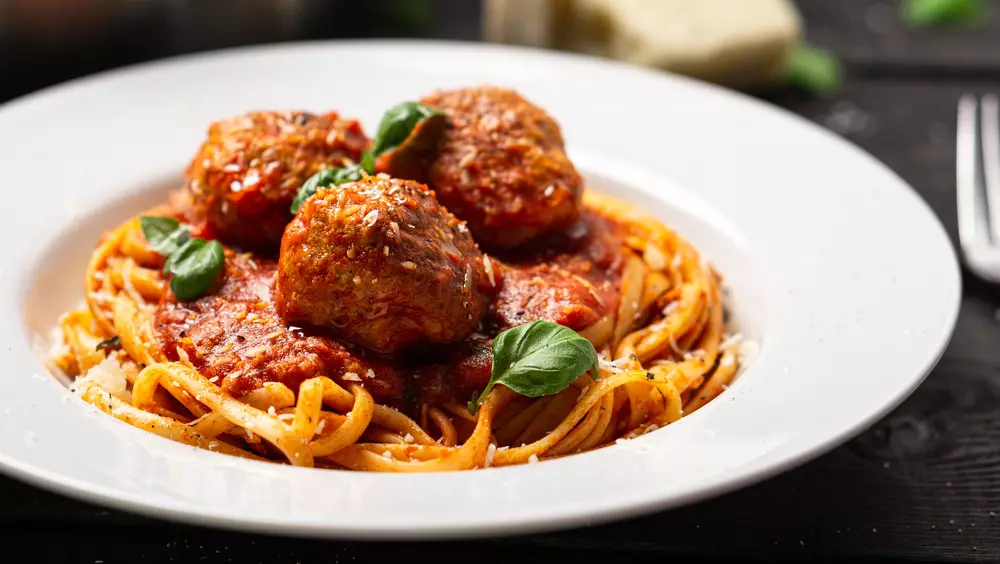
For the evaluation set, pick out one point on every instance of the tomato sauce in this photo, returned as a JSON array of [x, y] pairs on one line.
[[235, 336]]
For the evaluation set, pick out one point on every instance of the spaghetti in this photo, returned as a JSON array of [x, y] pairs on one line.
[[663, 357]]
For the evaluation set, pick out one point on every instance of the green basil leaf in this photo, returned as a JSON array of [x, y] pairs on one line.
[[368, 161], [924, 13], [112, 343], [397, 124], [412, 158], [813, 69], [537, 359], [324, 179], [194, 267], [165, 234]]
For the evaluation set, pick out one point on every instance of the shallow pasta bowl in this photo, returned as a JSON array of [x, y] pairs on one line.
[[792, 216]]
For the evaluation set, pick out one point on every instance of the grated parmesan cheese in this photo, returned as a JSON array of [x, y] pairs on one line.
[[732, 340], [491, 451], [747, 351], [319, 428], [271, 411], [670, 308], [408, 439], [183, 356], [255, 351], [654, 257], [107, 375], [370, 373], [351, 377], [197, 420], [467, 158], [533, 459], [489, 270], [612, 366]]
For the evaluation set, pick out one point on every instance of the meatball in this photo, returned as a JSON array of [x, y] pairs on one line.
[[246, 174], [502, 168], [382, 264]]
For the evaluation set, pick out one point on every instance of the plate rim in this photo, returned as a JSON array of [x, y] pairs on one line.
[[129, 502]]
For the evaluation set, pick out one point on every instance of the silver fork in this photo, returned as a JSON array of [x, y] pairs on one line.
[[978, 184]]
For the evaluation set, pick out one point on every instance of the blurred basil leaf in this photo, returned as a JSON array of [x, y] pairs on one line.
[[813, 69], [926, 13]]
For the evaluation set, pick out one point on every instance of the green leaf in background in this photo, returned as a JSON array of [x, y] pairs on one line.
[[537, 359], [194, 267], [924, 13], [324, 179], [813, 69]]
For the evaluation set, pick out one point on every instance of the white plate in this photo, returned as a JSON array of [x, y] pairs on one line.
[[836, 268]]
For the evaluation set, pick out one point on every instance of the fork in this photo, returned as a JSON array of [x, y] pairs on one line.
[[977, 152]]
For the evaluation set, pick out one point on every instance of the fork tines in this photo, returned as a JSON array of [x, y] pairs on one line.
[[978, 172]]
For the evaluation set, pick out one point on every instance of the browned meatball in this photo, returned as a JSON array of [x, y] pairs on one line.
[[382, 264], [502, 168], [245, 176]]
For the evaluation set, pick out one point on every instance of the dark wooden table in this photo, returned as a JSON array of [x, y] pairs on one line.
[[921, 485]]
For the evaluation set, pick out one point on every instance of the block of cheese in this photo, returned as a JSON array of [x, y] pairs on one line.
[[740, 43]]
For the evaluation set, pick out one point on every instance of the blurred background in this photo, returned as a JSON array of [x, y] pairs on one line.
[[743, 43]]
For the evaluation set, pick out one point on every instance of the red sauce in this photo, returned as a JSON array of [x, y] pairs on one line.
[[235, 334], [572, 278]]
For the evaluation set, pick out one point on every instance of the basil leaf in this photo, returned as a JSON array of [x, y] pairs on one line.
[[924, 13], [537, 359], [324, 179], [112, 343], [194, 267], [165, 234], [396, 125], [813, 69], [412, 158], [368, 161]]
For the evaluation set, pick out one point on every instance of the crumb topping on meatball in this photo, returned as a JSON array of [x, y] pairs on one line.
[[383, 264]]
